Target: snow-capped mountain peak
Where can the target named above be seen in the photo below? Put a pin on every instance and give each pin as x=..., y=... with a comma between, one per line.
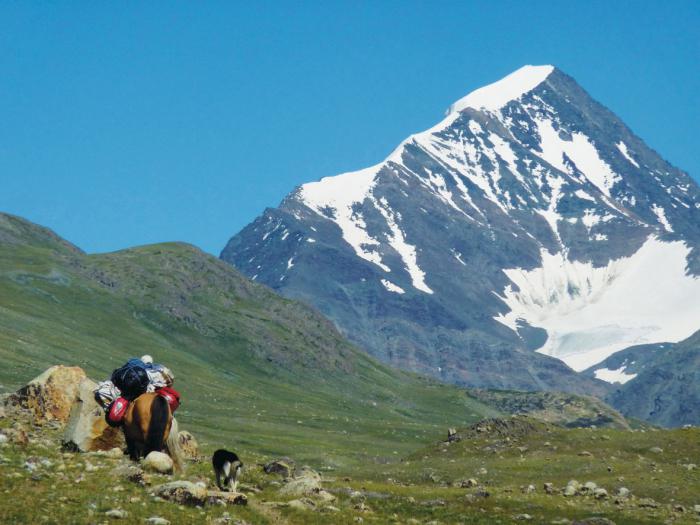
x=496, y=95
x=520, y=211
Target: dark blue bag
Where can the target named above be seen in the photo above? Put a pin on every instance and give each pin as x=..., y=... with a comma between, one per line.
x=131, y=379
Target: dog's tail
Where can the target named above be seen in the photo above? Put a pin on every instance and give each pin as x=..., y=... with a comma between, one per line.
x=174, y=448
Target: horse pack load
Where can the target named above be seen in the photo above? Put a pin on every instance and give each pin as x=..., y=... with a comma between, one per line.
x=128, y=382
x=131, y=379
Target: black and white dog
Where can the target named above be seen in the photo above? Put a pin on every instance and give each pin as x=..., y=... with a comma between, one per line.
x=227, y=468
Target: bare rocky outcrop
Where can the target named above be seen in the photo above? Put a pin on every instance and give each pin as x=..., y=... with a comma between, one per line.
x=87, y=430
x=50, y=396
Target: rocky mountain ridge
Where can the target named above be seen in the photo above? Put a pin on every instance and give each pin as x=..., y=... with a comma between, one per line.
x=529, y=219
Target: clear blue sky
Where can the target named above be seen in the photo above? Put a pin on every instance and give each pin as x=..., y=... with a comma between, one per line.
x=133, y=123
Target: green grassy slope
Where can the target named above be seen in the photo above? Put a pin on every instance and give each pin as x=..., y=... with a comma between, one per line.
x=257, y=372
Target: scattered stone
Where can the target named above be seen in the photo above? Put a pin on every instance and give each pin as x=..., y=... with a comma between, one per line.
x=690, y=466
x=302, y=504
x=679, y=508
x=585, y=453
x=280, y=467
x=330, y=508
x=3, y=439
x=572, y=488
x=589, y=487
x=86, y=427
x=362, y=507
x=622, y=492
x=114, y=453
x=158, y=462
x=656, y=450
x=647, y=503
x=529, y=489
x=182, y=492
x=189, y=445
x=157, y=520
x=215, y=497
x=117, y=514
x=50, y=395
x=600, y=493
x=595, y=520
x=305, y=481
x=17, y=435
x=522, y=517
x=549, y=488
x=324, y=496
x=130, y=473
x=466, y=483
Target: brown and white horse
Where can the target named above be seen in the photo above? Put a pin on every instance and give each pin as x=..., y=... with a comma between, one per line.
x=149, y=426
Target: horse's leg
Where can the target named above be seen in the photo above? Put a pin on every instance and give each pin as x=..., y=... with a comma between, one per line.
x=131, y=449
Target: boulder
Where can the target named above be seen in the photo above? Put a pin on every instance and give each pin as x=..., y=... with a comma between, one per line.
x=50, y=396
x=280, y=467
x=87, y=429
x=305, y=481
x=189, y=445
x=158, y=462
x=181, y=492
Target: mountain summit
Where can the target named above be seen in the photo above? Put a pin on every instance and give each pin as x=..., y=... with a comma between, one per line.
x=528, y=235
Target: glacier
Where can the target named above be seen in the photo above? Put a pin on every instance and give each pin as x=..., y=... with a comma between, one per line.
x=591, y=313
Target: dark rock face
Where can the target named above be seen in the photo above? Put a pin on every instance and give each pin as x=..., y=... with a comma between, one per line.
x=407, y=258
x=664, y=384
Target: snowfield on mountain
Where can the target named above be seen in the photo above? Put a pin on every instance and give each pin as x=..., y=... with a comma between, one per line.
x=528, y=235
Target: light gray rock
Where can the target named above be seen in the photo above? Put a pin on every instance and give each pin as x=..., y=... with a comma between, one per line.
x=589, y=487
x=158, y=462
x=622, y=492
x=117, y=514
x=157, y=520
x=572, y=488
x=305, y=481
x=600, y=493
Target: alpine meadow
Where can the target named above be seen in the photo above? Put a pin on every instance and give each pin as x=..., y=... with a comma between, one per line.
x=498, y=322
